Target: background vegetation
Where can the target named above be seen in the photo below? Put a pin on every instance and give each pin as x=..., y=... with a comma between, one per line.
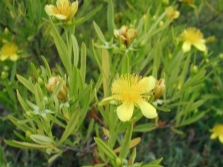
x=182, y=133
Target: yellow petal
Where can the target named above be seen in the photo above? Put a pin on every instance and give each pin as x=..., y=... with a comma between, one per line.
x=220, y=138
x=200, y=46
x=177, y=14
x=61, y=4
x=3, y=57
x=60, y=16
x=49, y=9
x=150, y=83
x=14, y=57
x=213, y=136
x=74, y=7
x=186, y=46
x=147, y=109
x=125, y=111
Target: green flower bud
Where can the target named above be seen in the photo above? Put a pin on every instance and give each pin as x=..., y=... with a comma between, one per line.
x=28, y=133
x=194, y=69
x=5, y=68
x=118, y=161
x=4, y=75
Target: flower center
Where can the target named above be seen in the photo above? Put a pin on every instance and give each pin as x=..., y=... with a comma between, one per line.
x=128, y=88
x=192, y=35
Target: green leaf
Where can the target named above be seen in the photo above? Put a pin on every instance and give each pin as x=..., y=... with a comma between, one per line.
x=179, y=132
x=75, y=50
x=104, y=148
x=41, y=139
x=47, y=66
x=88, y=15
x=99, y=33
x=54, y=157
x=154, y=163
x=191, y=120
x=71, y=126
x=126, y=142
x=28, y=84
x=22, y=102
x=89, y=130
x=110, y=18
x=144, y=128
x=2, y=158
x=62, y=49
x=23, y=127
x=25, y=144
x=125, y=64
x=105, y=71
x=83, y=61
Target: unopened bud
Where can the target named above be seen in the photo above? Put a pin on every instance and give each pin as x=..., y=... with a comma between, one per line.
x=52, y=84
x=4, y=75
x=118, y=161
x=161, y=23
x=159, y=88
x=40, y=81
x=142, y=44
x=211, y=39
x=5, y=68
x=28, y=133
x=194, y=69
x=165, y=2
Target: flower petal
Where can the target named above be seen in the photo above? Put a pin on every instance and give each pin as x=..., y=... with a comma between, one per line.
x=3, y=57
x=200, y=46
x=186, y=46
x=62, y=4
x=213, y=136
x=74, y=8
x=147, y=109
x=125, y=111
x=60, y=16
x=148, y=82
x=220, y=138
x=14, y=57
x=49, y=9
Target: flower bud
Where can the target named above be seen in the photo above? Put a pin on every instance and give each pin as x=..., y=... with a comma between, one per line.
x=161, y=23
x=118, y=161
x=165, y=2
x=211, y=39
x=126, y=35
x=28, y=133
x=4, y=75
x=5, y=68
x=159, y=88
x=194, y=69
x=40, y=81
x=52, y=84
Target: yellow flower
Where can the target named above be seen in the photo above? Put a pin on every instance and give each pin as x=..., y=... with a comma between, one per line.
x=217, y=131
x=171, y=13
x=52, y=84
x=63, y=11
x=125, y=35
x=193, y=36
x=188, y=2
x=133, y=90
x=9, y=51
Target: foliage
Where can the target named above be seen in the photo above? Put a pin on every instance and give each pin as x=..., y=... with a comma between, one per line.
x=84, y=81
